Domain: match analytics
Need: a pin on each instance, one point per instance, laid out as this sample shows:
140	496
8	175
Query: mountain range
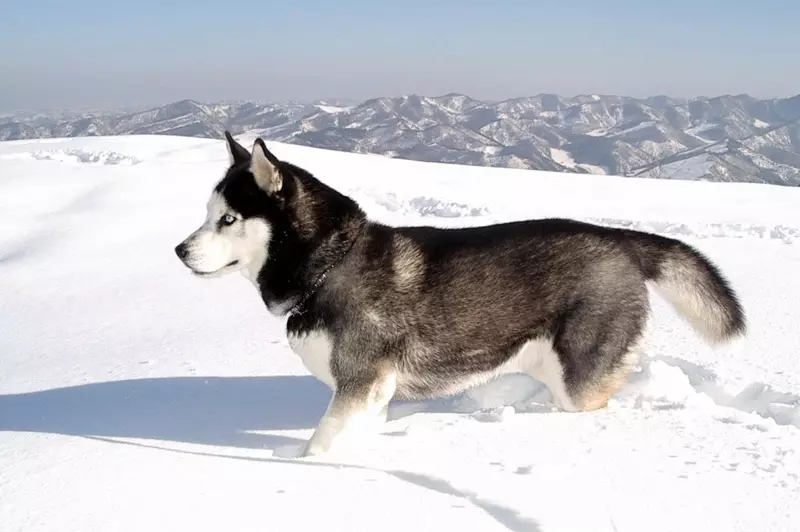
735	138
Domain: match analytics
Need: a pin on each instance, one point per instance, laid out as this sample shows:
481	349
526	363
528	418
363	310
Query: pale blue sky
93	52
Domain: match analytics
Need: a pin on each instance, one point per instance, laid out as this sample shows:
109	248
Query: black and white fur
379	312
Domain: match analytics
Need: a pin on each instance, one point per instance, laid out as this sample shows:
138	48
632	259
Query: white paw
313	448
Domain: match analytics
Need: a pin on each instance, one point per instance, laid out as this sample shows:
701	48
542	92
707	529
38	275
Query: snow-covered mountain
725	138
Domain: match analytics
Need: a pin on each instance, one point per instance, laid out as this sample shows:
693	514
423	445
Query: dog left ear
264	166
236	152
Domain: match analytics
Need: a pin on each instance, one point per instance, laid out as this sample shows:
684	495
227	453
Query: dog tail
692	285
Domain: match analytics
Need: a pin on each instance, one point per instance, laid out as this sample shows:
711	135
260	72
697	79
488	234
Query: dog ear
264	167
238	153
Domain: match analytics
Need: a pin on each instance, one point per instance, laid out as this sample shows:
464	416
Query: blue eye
227	220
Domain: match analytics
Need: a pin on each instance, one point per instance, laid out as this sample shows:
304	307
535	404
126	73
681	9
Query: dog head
240	216
274	222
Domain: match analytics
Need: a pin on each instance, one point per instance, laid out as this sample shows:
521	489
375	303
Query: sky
96	53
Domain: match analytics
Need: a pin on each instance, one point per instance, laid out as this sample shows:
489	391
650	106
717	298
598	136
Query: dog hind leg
598	345
604	372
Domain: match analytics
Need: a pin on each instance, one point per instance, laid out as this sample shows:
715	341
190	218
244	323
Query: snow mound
659	383
426	206
80	156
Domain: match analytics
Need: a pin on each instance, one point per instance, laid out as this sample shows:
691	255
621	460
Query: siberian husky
379	312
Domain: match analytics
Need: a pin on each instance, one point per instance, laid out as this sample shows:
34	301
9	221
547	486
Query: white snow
134	396
76	156
698	131
591	168
694	168
562	157
331	108
637	127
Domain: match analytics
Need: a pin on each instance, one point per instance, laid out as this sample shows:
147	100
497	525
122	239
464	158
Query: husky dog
379	312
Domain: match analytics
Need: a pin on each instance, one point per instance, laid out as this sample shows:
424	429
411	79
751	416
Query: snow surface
134	396
562	157
331	108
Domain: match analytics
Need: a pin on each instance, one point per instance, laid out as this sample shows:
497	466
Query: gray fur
380	312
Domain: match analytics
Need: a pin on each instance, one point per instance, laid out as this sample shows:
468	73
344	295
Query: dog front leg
357	404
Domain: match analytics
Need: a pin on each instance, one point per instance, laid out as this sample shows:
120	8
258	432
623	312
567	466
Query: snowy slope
134	396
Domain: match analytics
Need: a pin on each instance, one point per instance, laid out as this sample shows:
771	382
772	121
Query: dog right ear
238	153
265	168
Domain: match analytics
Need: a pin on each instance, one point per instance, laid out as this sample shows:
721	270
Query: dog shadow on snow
219	411
222	411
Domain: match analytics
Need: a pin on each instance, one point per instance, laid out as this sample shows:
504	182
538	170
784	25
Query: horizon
140	107
154	53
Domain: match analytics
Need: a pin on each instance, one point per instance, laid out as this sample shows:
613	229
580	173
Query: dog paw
305	450
312	449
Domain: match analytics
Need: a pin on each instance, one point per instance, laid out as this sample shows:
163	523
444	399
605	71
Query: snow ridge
78	156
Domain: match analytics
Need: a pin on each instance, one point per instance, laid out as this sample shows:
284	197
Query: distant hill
725	138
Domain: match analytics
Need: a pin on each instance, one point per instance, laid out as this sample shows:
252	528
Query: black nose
181	250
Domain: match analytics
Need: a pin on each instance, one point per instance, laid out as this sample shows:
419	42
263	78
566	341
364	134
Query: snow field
134	396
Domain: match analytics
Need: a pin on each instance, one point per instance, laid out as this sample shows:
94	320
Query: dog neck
300	306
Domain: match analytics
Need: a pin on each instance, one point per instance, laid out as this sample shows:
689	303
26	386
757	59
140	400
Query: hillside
134	396
732	138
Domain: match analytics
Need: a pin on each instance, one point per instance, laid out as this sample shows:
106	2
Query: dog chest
314	348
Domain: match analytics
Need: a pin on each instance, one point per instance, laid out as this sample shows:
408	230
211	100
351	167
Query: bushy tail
693	285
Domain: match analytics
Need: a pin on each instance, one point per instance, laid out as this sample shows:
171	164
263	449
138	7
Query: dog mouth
215	272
